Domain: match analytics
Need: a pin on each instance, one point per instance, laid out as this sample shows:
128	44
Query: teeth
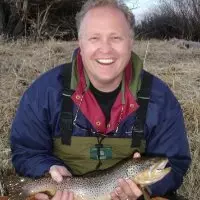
105	61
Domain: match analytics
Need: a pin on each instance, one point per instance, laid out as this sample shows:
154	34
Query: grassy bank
21	62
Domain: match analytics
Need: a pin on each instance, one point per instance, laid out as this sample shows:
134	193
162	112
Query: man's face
105	44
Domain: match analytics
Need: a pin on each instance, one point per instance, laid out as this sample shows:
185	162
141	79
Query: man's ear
131	43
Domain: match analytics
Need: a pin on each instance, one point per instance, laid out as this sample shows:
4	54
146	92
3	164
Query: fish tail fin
11	186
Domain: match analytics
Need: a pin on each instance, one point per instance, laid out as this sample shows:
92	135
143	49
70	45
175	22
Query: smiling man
101	108
106	41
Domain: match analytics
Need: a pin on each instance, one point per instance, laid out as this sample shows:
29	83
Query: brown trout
94	186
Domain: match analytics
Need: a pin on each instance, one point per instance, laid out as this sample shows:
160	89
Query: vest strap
66	116
143	96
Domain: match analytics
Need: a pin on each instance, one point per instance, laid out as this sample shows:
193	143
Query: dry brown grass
21	62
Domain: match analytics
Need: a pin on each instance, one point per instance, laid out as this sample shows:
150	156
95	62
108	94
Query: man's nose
105	46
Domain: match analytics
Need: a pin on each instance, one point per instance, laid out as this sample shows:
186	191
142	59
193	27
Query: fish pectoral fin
32	197
145	193
49	193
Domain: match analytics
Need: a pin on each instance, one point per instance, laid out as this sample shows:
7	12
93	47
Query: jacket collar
125	103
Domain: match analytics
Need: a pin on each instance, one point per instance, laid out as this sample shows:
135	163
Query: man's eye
117	38
93	38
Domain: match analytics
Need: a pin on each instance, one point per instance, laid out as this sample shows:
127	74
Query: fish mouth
160	165
153	174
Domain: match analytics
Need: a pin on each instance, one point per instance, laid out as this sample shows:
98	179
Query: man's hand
127	189
57	172
60	195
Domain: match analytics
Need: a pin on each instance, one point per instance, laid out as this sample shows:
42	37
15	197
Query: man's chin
106	80
108	83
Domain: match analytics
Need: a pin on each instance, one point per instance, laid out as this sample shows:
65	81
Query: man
66	118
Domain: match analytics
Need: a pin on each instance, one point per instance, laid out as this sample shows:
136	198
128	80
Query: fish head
146	171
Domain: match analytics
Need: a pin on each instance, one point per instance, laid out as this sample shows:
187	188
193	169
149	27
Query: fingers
71	196
121	194
65	195
57	172
41	196
124	190
63	171
134	188
114	195
136	155
127	189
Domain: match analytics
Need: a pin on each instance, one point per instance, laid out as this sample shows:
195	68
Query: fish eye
158	170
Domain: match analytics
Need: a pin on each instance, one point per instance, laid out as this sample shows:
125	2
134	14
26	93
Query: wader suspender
143	96
66	116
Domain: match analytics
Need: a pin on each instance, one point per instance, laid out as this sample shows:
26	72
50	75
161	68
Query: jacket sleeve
168	137
31	136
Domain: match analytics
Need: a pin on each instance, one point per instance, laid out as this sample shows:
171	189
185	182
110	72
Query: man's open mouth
107	61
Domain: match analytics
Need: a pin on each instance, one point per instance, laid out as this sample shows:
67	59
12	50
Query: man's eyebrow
116	33
94	33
